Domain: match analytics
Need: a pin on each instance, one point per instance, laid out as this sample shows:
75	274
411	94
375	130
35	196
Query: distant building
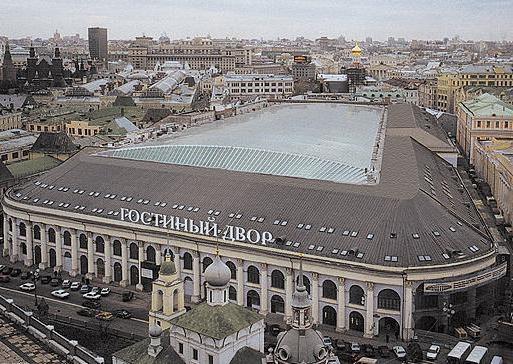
8	70
273	86
303	69
428	94
333	83
43	71
482	118
98	43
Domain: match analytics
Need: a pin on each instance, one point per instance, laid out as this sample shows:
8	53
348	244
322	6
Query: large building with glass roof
368	196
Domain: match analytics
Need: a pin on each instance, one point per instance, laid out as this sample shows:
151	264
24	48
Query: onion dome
356	51
155	331
218	274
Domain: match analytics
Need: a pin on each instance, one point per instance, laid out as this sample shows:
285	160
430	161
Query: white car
60	293
105	291
433	352
66	283
399	352
28	287
91	296
355	347
75	286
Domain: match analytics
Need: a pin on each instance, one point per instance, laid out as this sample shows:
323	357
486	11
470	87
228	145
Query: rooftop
417	215
487	105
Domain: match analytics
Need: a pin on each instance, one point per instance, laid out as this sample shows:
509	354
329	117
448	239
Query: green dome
167	268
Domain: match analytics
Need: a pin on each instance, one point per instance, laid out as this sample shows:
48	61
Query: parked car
25	275
104	316
92	304
7	271
28	286
46	279
124	314
85	288
87	312
95	290
4	279
433	352
127	296
60	293
355	347
399	352
105	291
15	272
92	296
66	283
55	282
328	343
75	286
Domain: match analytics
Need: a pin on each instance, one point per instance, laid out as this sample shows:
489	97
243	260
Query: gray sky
412	19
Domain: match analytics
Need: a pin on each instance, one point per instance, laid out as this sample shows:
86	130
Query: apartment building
10	120
428	93
482	118
273	86
450	82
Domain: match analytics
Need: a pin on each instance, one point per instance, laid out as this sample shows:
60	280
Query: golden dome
356	51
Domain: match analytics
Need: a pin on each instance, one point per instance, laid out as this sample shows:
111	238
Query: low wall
70	349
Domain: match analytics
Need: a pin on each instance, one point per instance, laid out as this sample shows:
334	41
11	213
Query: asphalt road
139	306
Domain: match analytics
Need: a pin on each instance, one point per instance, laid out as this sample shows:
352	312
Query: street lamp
35	276
449	311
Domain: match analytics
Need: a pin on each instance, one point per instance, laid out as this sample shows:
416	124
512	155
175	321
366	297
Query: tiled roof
487	105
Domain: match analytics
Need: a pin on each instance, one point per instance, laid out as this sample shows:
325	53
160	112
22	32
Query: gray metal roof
415	214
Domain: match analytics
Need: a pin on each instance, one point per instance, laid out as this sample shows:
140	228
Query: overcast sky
269	19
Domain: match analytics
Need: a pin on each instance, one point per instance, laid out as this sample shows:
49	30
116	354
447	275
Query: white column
264	294
108	260
158	255
58	249
74	253
315	297
139	286
196	280
341	301
178	262
408	311
240	282
29	259
44	248
15	247
6	251
90	256
124	263
289	288
369	303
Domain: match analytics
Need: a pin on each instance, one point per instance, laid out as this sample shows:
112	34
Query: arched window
329	289
151	254
23	229
389	299
232	294
23	248
100	244
253	275
170	252
187	261
206	262
233	269
306	282
51	235
83	241
37	232
116	248
277	279
356	295
134	251
67	238
277	304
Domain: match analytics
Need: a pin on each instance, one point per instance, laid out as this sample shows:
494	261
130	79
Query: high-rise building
98	43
